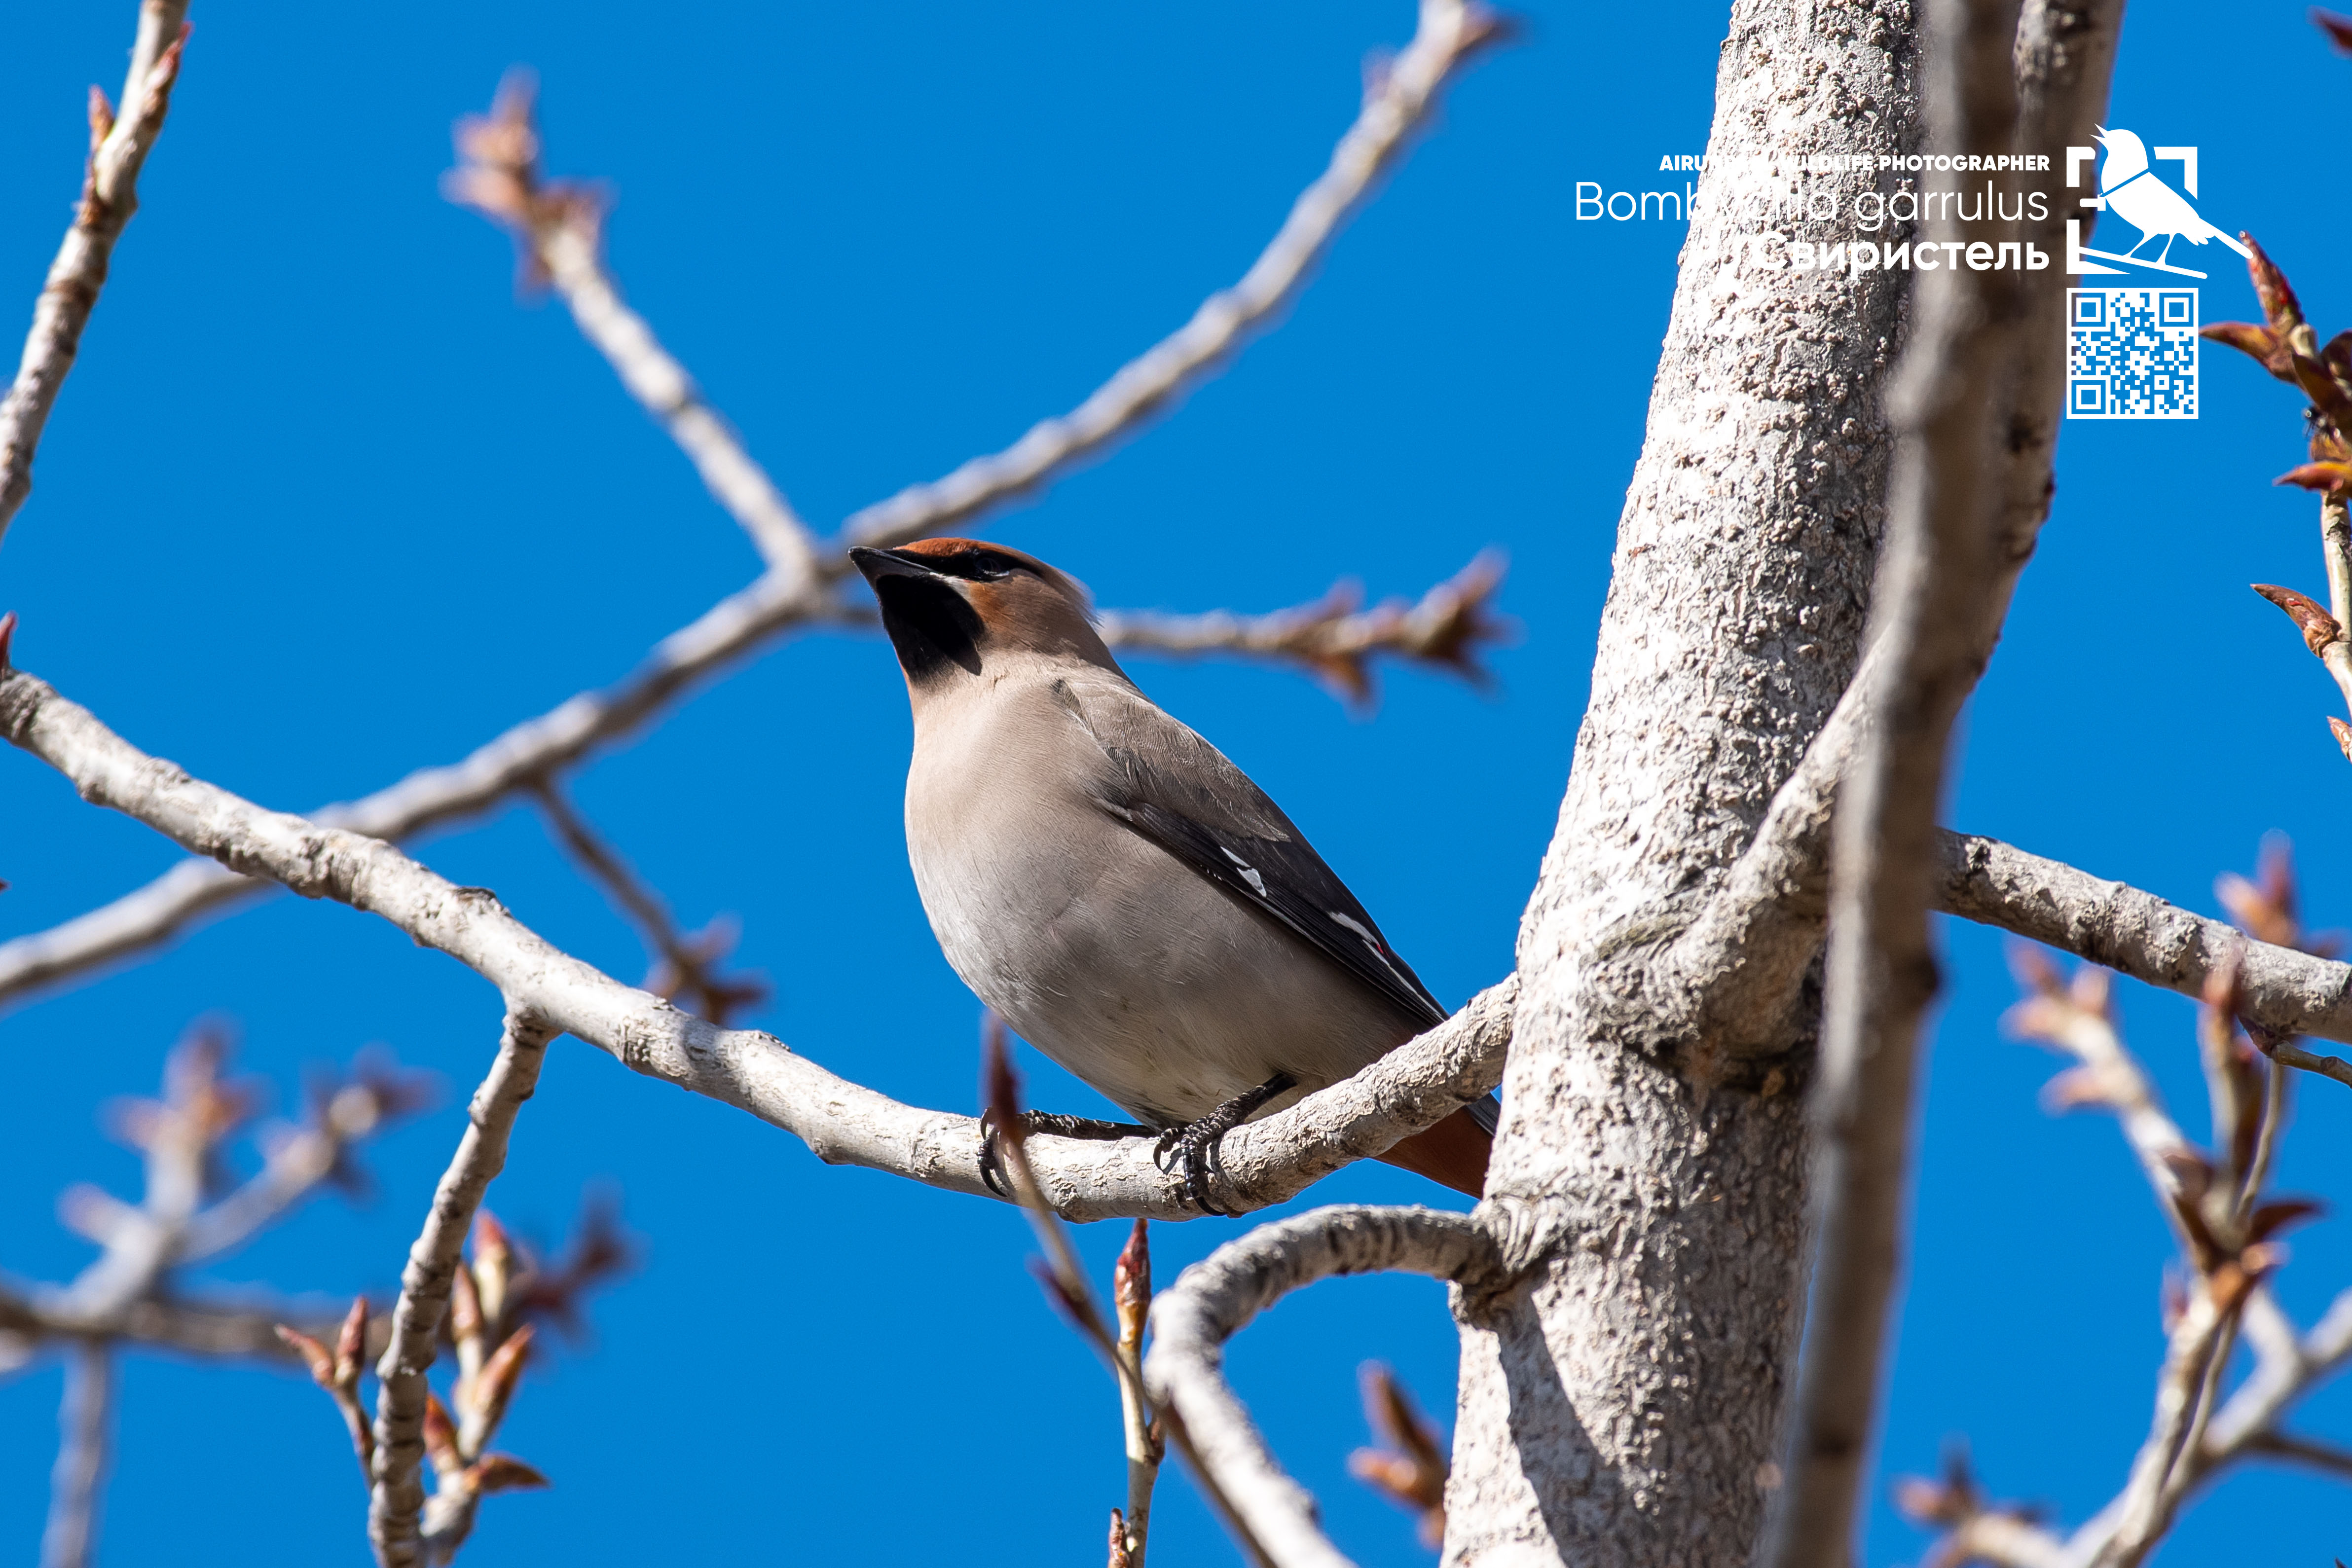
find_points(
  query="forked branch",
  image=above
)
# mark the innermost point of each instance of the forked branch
(1396, 108)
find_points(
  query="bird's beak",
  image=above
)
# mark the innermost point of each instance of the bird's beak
(878, 564)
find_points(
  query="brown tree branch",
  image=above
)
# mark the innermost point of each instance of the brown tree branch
(1333, 639)
(1938, 590)
(109, 195)
(1398, 107)
(1217, 1297)
(1410, 1088)
(398, 1496)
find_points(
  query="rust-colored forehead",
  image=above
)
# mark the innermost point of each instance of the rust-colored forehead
(942, 546)
(949, 545)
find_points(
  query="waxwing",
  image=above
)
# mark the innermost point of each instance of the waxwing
(1115, 889)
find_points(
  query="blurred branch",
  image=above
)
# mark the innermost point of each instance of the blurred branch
(1066, 1283)
(1334, 640)
(686, 965)
(1216, 1297)
(1412, 1470)
(236, 1327)
(1972, 1529)
(2226, 1225)
(558, 227)
(2326, 1458)
(109, 195)
(1411, 1088)
(1942, 584)
(2078, 1018)
(1398, 105)
(85, 1421)
(403, 1400)
(127, 1293)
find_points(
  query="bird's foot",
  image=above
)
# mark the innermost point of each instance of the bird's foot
(993, 1174)
(1094, 1127)
(1192, 1147)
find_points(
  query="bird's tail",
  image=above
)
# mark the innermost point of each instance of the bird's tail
(2231, 242)
(1453, 1153)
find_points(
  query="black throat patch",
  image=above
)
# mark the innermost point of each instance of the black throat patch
(929, 625)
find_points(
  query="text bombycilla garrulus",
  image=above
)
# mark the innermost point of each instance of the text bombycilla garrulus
(1115, 889)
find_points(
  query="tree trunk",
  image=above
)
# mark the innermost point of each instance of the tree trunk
(1620, 1406)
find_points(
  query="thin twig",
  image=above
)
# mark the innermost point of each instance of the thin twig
(2079, 1019)
(398, 1496)
(558, 228)
(2286, 1053)
(1333, 638)
(1399, 106)
(1131, 1304)
(109, 195)
(686, 965)
(2326, 1457)
(85, 1420)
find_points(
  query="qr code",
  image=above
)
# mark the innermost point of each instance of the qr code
(2131, 353)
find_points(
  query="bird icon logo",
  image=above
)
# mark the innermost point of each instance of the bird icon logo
(2131, 188)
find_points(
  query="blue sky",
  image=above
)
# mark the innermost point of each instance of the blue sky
(324, 502)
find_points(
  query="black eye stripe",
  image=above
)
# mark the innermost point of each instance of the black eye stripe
(974, 566)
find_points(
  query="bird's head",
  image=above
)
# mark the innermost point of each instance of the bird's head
(952, 606)
(2127, 153)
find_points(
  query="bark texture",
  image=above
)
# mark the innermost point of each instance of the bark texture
(1617, 1408)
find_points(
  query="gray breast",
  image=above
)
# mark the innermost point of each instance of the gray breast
(1142, 977)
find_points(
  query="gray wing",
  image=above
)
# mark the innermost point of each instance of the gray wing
(1173, 788)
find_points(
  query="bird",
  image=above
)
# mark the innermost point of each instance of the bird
(1120, 893)
(2131, 191)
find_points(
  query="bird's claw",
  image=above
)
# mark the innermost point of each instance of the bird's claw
(1194, 1147)
(998, 1180)
(992, 1173)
